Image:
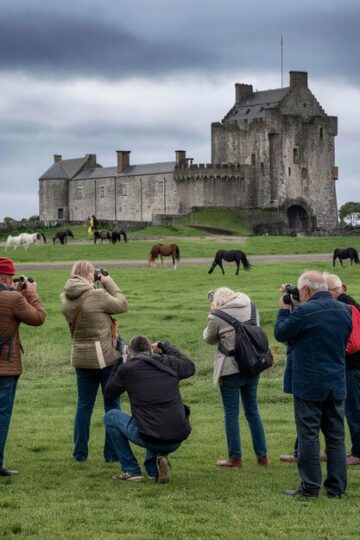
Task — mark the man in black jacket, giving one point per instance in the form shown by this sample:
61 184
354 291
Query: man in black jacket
160 420
337 289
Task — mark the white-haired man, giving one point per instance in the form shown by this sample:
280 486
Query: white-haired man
319 329
338 290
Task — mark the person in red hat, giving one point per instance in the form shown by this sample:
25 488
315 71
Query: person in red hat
18 304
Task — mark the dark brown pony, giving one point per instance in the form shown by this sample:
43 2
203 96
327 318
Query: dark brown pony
102 235
164 250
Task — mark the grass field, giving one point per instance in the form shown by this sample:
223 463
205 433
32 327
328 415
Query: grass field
54 498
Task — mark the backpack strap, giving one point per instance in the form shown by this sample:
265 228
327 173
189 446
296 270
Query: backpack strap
72 324
235 323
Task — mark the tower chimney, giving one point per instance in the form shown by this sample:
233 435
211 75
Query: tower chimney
57 158
91 161
298 78
123 159
242 91
180 156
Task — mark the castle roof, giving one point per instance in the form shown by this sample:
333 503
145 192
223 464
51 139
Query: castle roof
131 170
254 104
64 169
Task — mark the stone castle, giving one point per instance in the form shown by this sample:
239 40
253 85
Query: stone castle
272 159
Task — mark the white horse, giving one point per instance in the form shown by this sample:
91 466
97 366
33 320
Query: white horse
25 239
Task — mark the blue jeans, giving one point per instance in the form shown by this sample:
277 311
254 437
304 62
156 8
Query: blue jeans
122 428
352 408
7 398
327 416
88 381
232 387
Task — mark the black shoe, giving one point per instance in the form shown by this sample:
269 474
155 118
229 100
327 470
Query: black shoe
7 472
298 493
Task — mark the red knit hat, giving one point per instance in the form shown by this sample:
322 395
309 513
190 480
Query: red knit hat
7 266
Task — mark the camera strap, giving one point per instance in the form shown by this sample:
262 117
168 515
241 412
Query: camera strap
72 324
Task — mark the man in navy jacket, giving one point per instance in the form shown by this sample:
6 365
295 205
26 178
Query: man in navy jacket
160 420
319 329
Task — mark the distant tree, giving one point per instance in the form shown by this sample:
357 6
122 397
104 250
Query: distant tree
350 213
8 220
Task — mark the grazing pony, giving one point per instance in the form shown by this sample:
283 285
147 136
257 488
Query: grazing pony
116 236
102 235
236 256
164 250
348 253
25 239
62 236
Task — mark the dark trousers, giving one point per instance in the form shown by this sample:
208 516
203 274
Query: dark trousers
88 382
352 409
310 418
7 397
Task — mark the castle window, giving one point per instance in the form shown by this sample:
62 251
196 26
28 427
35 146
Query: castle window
295 155
262 167
289 171
160 187
252 159
102 192
304 172
321 133
124 190
79 193
245 122
60 213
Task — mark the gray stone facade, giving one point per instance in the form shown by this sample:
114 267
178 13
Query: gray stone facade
272 157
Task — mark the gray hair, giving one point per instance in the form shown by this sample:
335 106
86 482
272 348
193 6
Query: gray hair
314 280
333 281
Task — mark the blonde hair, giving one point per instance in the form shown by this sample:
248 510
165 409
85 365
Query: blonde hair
82 269
222 296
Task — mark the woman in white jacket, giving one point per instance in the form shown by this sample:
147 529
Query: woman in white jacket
232 384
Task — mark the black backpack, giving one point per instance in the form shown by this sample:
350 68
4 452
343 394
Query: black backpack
251 350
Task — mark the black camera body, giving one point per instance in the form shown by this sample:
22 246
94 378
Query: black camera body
21 281
98 272
291 291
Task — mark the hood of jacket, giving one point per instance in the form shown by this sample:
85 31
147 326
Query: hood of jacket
241 300
75 287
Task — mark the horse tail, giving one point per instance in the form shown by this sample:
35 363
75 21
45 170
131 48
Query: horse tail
43 237
177 253
356 256
54 239
124 235
245 262
153 254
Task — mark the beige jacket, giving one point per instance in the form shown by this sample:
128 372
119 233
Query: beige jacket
92 343
218 330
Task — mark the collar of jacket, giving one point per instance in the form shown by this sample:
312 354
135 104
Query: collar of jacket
320 294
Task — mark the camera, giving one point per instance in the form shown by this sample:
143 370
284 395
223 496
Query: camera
120 345
210 295
98 272
291 291
21 282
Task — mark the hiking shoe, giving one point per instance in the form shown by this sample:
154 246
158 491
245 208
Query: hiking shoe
230 462
262 460
288 458
163 467
132 477
352 460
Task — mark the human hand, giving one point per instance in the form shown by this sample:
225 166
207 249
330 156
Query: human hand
155 348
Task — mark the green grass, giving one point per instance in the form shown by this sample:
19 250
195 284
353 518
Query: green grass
54 498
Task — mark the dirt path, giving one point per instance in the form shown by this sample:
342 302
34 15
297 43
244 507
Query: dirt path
254 259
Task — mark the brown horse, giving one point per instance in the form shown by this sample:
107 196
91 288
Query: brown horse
164 250
102 235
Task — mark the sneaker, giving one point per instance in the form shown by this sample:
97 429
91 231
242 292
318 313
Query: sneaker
132 477
288 458
230 462
352 460
7 472
262 460
163 467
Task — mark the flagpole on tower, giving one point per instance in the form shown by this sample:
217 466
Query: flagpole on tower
282 62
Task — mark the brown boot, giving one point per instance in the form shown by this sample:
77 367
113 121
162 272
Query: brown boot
230 462
262 460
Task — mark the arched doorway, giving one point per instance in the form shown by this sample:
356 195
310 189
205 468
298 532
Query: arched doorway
298 218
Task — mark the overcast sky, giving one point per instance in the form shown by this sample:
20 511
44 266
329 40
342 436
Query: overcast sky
95 76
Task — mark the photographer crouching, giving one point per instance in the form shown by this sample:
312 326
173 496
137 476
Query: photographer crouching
318 330
89 299
160 420
18 303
